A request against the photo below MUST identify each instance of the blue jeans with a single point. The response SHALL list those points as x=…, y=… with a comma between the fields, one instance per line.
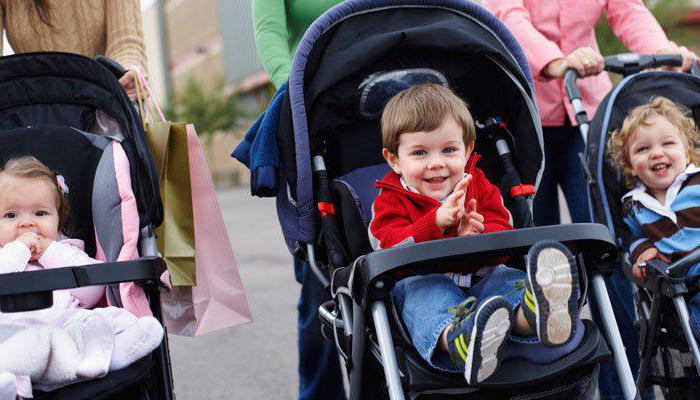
x=423, y=302
x=562, y=166
x=319, y=369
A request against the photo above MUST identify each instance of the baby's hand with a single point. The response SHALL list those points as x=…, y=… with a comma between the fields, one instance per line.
x=638, y=270
x=44, y=244
x=31, y=240
x=451, y=211
x=471, y=223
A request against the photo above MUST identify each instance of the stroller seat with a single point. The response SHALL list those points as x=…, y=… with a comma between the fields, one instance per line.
x=669, y=353
x=53, y=102
x=124, y=383
x=355, y=192
x=96, y=210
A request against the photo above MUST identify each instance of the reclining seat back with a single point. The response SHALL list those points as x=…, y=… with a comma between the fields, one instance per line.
x=103, y=207
x=355, y=189
x=355, y=192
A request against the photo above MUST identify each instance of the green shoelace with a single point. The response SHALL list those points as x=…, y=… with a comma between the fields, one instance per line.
x=463, y=310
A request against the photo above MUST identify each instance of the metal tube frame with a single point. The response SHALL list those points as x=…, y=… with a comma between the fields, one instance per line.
x=358, y=353
x=311, y=255
x=650, y=345
x=386, y=347
x=629, y=388
x=147, y=247
x=684, y=319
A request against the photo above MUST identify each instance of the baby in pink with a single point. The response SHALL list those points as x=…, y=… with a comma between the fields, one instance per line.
x=33, y=212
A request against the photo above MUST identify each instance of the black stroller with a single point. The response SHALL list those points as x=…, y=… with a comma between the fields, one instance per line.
x=670, y=356
x=70, y=112
x=330, y=151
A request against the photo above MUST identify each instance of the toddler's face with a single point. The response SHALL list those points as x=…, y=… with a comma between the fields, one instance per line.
x=432, y=162
x=27, y=205
x=658, y=154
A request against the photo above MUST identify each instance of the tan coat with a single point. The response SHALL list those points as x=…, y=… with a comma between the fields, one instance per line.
x=87, y=27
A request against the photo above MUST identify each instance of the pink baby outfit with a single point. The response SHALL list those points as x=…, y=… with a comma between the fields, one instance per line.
x=14, y=257
x=551, y=29
x=68, y=342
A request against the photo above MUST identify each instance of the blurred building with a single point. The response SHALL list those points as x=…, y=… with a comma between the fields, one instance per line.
x=204, y=40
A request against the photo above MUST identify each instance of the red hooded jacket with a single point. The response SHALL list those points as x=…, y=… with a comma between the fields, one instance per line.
x=401, y=217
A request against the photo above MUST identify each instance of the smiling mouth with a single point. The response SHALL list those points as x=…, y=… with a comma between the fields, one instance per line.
x=436, y=180
x=660, y=167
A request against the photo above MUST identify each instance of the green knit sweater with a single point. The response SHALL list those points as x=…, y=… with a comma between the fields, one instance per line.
x=279, y=25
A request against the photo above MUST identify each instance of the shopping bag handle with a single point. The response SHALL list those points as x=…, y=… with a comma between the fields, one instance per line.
x=144, y=98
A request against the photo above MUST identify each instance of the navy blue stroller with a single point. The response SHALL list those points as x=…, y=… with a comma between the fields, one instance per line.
x=669, y=352
x=350, y=61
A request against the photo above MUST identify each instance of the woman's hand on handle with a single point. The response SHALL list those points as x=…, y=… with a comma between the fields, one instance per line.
x=688, y=56
x=585, y=60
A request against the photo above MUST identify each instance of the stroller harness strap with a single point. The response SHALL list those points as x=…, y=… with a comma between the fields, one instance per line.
x=522, y=190
x=326, y=208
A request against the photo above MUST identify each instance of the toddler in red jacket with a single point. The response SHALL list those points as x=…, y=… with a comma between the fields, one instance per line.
x=459, y=320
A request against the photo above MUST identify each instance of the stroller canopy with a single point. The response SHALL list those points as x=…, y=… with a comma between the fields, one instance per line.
x=480, y=58
x=52, y=88
x=633, y=91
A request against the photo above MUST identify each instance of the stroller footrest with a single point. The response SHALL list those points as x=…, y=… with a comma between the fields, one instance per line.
x=514, y=372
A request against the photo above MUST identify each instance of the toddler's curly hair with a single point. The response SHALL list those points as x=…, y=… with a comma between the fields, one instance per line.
x=677, y=115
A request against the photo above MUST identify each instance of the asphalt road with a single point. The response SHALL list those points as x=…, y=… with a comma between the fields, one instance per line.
x=258, y=360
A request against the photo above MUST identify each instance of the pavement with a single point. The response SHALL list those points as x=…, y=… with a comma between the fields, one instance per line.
x=252, y=361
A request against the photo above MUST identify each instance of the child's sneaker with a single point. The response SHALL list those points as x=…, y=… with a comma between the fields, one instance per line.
x=477, y=336
x=550, y=301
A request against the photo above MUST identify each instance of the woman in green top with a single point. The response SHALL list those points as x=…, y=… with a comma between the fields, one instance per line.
x=279, y=26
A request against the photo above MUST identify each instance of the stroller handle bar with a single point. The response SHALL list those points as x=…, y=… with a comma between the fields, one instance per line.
x=30, y=290
x=374, y=273
x=625, y=64
x=631, y=63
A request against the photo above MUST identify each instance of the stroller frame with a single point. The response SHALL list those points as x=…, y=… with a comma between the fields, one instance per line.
x=372, y=284
x=664, y=282
x=33, y=290
x=362, y=284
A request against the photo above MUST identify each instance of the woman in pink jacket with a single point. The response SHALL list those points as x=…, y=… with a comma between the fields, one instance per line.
x=557, y=35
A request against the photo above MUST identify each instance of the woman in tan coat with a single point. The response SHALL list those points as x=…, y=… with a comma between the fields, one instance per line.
x=87, y=27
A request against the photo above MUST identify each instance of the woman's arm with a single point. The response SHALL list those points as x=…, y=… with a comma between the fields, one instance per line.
x=125, y=33
x=633, y=23
x=539, y=50
x=272, y=38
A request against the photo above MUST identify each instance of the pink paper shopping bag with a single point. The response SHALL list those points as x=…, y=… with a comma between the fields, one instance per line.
x=218, y=300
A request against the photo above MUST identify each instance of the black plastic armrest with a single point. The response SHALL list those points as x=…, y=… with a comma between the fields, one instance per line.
x=141, y=269
x=375, y=273
x=31, y=290
x=678, y=270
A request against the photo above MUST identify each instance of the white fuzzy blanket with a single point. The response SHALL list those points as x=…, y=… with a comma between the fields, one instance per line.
x=53, y=348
